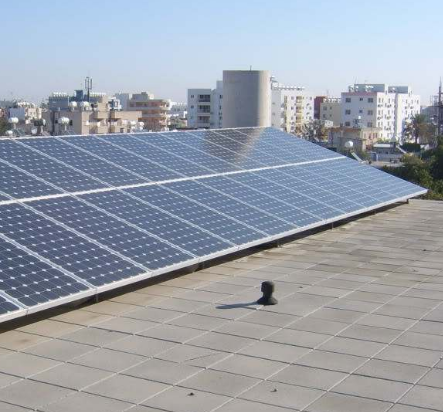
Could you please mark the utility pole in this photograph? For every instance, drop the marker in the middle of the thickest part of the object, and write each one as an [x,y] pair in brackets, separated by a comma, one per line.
[439,111]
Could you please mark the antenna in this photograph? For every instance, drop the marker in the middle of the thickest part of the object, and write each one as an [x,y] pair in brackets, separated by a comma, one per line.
[88,87]
[440,110]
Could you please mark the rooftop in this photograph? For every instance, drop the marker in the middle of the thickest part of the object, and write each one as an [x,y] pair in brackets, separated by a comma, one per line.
[358,327]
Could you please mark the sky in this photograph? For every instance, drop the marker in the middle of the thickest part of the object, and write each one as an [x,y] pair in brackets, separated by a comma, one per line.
[166,47]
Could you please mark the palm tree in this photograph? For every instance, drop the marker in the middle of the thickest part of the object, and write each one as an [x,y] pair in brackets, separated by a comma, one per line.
[418,128]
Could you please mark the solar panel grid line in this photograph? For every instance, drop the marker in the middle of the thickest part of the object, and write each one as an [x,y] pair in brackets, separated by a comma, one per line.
[201,181]
[212,209]
[83,236]
[89,289]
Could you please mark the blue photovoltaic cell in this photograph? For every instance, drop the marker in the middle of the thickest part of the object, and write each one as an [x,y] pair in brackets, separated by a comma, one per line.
[139,144]
[31,281]
[165,226]
[51,171]
[19,185]
[231,207]
[133,162]
[197,214]
[124,239]
[93,166]
[71,252]
[154,202]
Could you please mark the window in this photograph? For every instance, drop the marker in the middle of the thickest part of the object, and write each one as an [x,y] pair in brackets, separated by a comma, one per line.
[347,111]
[348,100]
[360,111]
[370,112]
[192,96]
[370,100]
[369,124]
[361,99]
[192,106]
[347,124]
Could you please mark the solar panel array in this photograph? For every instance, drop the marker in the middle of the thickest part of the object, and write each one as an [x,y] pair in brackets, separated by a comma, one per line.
[80,215]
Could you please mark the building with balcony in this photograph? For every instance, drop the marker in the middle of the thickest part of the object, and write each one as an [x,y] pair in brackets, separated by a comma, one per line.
[205,107]
[86,118]
[155,113]
[388,108]
[291,108]
[330,110]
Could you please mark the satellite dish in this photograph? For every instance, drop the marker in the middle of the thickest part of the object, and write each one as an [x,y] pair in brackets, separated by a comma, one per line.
[34,131]
[349,144]
[13,120]
[9,133]
[63,120]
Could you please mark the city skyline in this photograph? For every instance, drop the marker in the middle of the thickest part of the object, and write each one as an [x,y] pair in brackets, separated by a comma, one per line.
[322,46]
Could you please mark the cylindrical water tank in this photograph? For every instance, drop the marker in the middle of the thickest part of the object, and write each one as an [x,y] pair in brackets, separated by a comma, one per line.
[246,98]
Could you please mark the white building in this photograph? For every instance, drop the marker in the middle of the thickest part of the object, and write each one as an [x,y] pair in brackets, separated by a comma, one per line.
[25,112]
[388,108]
[205,107]
[291,108]
[330,110]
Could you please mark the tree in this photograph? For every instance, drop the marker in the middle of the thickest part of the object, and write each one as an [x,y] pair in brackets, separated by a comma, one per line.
[4,125]
[419,130]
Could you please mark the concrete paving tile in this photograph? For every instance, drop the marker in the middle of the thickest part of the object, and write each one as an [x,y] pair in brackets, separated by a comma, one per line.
[137,299]
[380,389]
[262,317]
[86,402]
[59,350]
[411,355]
[207,296]
[140,345]
[334,402]
[81,317]
[352,346]
[221,342]
[435,316]
[192,355]
[15,340]
[126,325]
[162,371]
[24,365]
[126,388]
[275,351]
[108,307]
[180,305]
[93,336]
[324,291]
[30,394]
[248,366]
[280,394]
[298,338]
[406,408]
[220,383]
[417,302]
[6,407]
[185,400]
[355,305]
[370,333]
[108,360]
[337,315]
[153,314]
[331,361]
[433,378]
[198,322]
[6,380]
[172,333]
[224,287]
[426,327]
[246,329]
[49,328]
[241,405]
[420,340]
[71,376]
[395,371]
[409,312]
[424,397]
[230,312]
[311,324]
[382,321]
[308,377]
[162,290]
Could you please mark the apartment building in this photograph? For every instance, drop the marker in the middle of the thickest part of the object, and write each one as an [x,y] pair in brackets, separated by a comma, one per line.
[291,107]
[385,107]
[205,107]
[330,110]
[154,112]
[91,118]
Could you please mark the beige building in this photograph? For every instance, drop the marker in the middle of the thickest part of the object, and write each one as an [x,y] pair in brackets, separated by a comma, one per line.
[330,109]
[84,118]
[362,139]
[155,113]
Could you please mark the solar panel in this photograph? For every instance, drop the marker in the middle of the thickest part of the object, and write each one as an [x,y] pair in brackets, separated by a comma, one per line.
[83,214]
